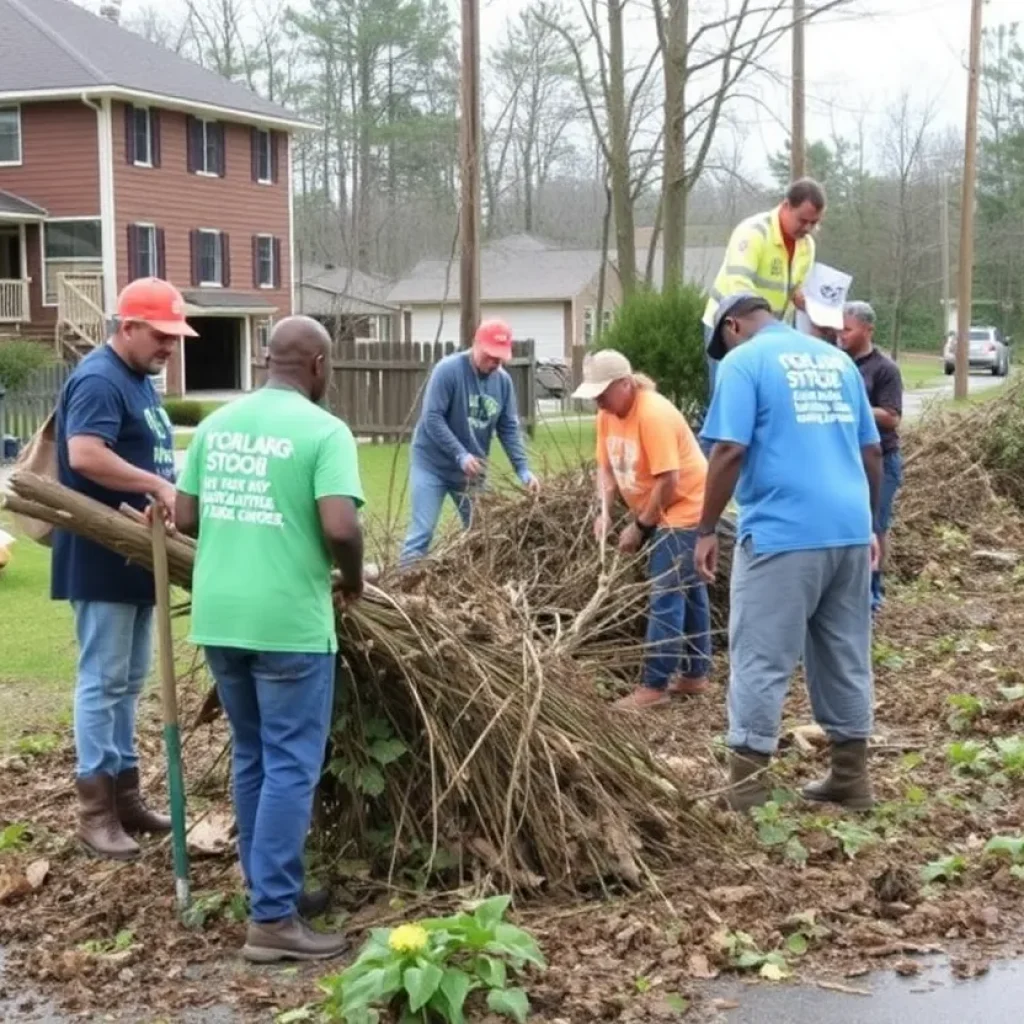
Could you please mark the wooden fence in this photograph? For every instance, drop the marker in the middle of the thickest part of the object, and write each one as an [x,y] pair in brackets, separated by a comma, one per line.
[23,412]
[376,386]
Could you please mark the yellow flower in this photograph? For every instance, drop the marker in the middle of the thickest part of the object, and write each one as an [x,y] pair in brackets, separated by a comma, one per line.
[408,938]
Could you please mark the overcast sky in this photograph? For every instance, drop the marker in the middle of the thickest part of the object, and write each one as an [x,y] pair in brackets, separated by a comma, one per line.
[857,63]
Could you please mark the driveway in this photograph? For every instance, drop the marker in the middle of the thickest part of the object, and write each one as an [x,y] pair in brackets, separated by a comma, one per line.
[916,401]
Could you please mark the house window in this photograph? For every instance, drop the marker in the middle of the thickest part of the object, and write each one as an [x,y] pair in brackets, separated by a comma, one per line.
[263,160]
[211,258]
[205,147]
[10,135]
[588,323]
[144,251]
[265,261]
[261,335]
[70,247]
[143,132]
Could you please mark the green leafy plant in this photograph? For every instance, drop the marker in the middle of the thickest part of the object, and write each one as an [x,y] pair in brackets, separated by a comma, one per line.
[969,757]
[15,836]
[185,412]
[381,746]
[19,360]
[1010,751]
[123,940]
[773,827]
[1011,847]
[806,932]
[661,335]
[36,744]
[852,837]
[208,906]
[966,708]
[424,971]
[945,869]
[885,655]
[744,955]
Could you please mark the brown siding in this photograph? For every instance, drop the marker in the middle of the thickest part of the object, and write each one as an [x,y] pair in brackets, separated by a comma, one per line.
[179,202]
[588,297]
[59,171]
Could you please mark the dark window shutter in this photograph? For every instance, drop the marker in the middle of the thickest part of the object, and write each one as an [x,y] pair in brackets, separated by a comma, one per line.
[154,136]
[254,143]
[193,141]
[133,252]
[275,249]
[129,133]
[255,261]
[225,257]
[161,254]
[193,246]
[221,150]
[275,155]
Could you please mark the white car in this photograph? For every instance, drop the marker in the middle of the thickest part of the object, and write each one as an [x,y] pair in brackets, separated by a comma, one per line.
[988,351]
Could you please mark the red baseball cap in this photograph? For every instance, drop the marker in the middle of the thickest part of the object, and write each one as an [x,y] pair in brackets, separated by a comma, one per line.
[495,338]
[152,301]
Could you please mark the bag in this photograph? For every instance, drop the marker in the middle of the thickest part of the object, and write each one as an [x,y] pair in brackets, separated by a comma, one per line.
[39,456]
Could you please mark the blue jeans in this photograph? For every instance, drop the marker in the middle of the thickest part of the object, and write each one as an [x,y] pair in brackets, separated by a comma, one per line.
[892,480]
[279,708]
[115,650]
[427,492]
[679,617]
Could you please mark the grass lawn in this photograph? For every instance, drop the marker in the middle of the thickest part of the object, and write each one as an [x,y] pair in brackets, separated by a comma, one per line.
[37,649]
[920,370]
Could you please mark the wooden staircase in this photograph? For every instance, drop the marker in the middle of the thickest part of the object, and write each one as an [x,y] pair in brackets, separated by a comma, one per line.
[81,323]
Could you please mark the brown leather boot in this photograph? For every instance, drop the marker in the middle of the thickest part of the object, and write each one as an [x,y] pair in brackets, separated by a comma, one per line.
[98,826]
[290,939]
[135,816]
[747,778]
[848,782]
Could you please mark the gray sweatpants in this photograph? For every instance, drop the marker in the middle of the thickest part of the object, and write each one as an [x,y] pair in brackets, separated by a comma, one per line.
[811,603]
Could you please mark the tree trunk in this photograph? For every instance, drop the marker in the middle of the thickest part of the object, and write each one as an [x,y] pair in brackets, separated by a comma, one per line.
[363,255]
[673,201]
[622,202]
[606,222]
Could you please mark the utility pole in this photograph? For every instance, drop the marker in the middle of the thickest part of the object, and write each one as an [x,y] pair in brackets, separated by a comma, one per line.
[963,299]
[798,144]
[944,224]
[469,175]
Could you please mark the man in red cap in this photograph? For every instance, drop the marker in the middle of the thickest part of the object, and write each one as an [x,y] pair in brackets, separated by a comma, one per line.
[115,444]
[468,398]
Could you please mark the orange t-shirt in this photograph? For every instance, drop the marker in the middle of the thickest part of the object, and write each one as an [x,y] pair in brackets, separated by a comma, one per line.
[653,439]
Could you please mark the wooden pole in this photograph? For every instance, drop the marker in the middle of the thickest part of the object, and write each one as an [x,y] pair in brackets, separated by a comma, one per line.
[469,148]
[963,300]
[798,155]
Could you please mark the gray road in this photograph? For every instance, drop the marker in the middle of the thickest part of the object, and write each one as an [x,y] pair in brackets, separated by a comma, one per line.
[915,402]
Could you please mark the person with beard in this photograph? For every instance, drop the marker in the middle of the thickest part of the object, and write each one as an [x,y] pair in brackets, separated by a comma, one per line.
[469,397]
[115,445]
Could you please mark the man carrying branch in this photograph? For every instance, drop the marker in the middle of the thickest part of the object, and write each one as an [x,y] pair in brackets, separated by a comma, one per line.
[271,485]
[115,445]
[647,453]
[468,398]
[795,438]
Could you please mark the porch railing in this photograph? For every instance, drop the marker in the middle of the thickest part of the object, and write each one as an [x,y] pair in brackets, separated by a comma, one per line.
[80,309]
[14,301]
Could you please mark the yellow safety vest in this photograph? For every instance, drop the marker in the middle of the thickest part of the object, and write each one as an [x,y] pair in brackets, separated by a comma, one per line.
[757,261]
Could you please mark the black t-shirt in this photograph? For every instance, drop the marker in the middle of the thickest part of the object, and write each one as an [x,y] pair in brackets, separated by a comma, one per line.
[105,398]
[884,385]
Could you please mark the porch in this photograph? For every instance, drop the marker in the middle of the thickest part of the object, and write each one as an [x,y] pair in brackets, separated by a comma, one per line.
[16,214]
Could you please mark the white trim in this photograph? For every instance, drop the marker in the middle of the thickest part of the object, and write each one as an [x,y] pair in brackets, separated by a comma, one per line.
[266,132]
[16,107]
[291,227]
[155,266]
[245,377]
[206,122]
[108,209]
[157,99]
[192,310]
[270,238]
[24,254]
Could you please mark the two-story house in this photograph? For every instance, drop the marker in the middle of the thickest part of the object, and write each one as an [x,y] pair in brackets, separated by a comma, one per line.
[118,160]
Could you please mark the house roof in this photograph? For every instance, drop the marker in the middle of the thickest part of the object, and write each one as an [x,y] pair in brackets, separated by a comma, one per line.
[516,269]
[215,299]
[55,47]
[16,208]
[331,290]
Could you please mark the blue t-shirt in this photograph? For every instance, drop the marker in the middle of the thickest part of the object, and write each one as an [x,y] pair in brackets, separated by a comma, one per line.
[462,411]
[799,407]
[105,398]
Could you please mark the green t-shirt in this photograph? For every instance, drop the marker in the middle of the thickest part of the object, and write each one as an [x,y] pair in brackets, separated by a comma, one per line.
[262,574]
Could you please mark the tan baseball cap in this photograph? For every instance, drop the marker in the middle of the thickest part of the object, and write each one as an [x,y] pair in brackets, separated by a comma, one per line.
[601,370]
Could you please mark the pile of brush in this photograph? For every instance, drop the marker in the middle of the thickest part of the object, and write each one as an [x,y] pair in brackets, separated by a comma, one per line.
[469,733]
